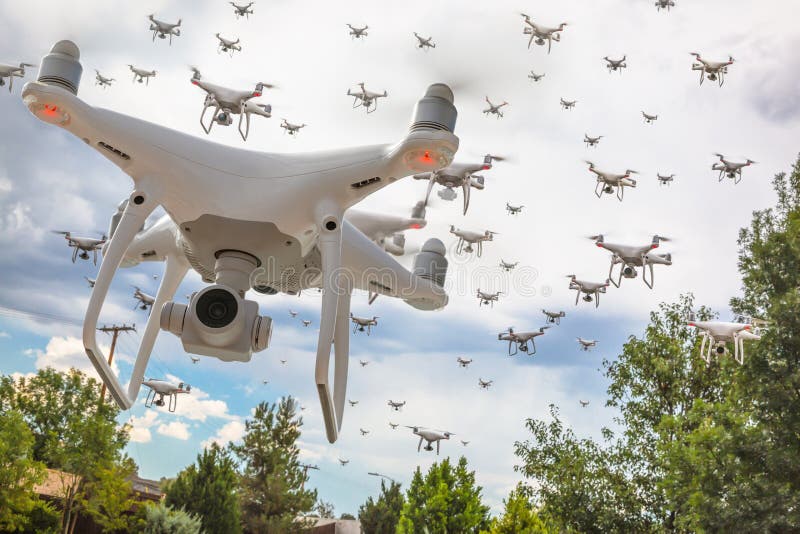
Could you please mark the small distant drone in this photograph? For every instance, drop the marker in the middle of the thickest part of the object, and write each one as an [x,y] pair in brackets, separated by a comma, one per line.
[283,362]
[507,267]
[242,10]
[535,77]
[144,301]
[227,45]
[11,72]
[162,29]
[393,425]
[665,179]
[90,281]
[396,406]
[713,70]
[584,403]
[464,362]
[554,317]
[494,109]
[649,119]
[471,238]
[101,80]
[265,382]
[629,257]
[194,359]
[484,384]
[352,402]
[513,210]
[457,175]
[591,141]
[568,104]
[164,388]
[519,341]
[290,128]
[588,289]
[716,333]
[616,64]
[424,43]
[488,298]
[343,462]
[83,245]
[729,169]
[141,75]
[540,34]
[609,183]
[362,324]
[227,102]
[292,313]
[664,4]
[586,344]
[366,99]
[358,33]
[464,443]
[429,436]
[363,363]
[306,322]
[363,432]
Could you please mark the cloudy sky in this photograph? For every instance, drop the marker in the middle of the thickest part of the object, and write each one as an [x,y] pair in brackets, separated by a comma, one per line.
[51,181]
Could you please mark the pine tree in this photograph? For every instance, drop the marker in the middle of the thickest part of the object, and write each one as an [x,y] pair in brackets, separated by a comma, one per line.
[382,515]
[519,515]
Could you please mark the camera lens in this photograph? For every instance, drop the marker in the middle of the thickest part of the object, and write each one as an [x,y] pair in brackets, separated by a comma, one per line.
[216,308]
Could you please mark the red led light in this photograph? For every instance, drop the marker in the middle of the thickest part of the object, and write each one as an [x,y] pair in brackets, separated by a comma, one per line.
[50,110]
[415,226]
[486,167]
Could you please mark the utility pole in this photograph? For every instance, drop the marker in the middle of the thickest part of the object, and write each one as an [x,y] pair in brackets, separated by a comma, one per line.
[115,330]
[305,468]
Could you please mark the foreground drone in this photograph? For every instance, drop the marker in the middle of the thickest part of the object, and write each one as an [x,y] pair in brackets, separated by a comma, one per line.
[729,169]
[11,72]
[247,220]
[589,290]
[494,109]
[488,298]
[162,29]
[101,80]
[716,333]
[464,362]
[290,128]
[164,388]
[518,341]
[242,10]
[142,75]
[713,70]
[568,104]
[610,183]
[467,238]
[554,317]
[457,175]
[586,344]
[540,34]
[591,141]
[83,245]
[363,324]
[629,257]
[429,436]
[366,99]
[227,45]
[358,33]
[616,65]
[386,230]
[228,102]
[424,43]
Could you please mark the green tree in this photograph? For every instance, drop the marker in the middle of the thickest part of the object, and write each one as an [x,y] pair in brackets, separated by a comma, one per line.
[445,500]
[519,515]
[208,489]
[271,483]
[324,510]
[19,472]
[380,516]
[163,519]
[108,498]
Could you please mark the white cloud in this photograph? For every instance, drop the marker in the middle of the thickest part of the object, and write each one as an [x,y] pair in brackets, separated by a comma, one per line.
[4,335]
[65,353]
[231,431]
[174,429]
[139,427]
[197,405]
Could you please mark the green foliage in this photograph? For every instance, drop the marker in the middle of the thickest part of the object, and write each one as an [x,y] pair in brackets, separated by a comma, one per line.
[382,515]
[109,498]
[163,519]
[271,484]
[324,510]
[445,500]
[519,515]
[19,472]
[347,516]
[208,489]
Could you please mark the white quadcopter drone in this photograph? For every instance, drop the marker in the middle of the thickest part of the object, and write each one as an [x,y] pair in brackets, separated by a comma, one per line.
[290,128]
[464,442]
[540,34]
[306,322]
[161,29]
[610,183]
[292,314]
[513,210]
[568,104]
[396,406]
[713,70]
[363,363]
[716,333]
[83,245]
[228,102]
[358,33]
[519,341]
[141,75]
[583,403]
[494,109]
[352,402]
[629,257]
[554,317]
[164,388]
[343,462]
[535,77]
[101,80]
[615,65]
[488,298]
[484,384]
[242,10]
[247,220]
[228,46]
[591,141]
[363,324]
[430,437]
[457,175]
[586,344]
[366,99]
[590,290]
[196,360]
[387,230]
[143,300]
[664,4]
[649,119]
[363,432]
[90,281]
[11,72]
[508,267]
[730,169]
[664,179]
[423,43]
[464,362]
[467,238]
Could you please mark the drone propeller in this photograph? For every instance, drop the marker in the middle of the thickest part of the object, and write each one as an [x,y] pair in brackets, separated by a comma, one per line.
[195,72]
[267,85]
[60,232]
